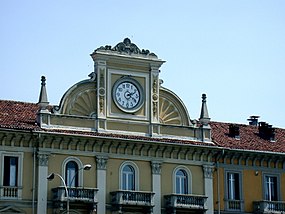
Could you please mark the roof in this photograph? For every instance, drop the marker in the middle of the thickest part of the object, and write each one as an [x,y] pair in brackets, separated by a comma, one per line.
[22,116]
[249,138]
[18,115]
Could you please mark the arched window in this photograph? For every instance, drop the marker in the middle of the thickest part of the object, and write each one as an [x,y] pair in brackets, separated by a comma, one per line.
[129,176]
[71,174]
[182,180]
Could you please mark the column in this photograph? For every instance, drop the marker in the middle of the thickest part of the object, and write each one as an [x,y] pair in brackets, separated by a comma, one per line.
[101,183]
[156,185]
[42,181]
[208,187]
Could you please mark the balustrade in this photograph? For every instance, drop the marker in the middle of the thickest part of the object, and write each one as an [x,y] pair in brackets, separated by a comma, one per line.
[186,201]
[75,194]
[9,192]
[133,197]
[269,206]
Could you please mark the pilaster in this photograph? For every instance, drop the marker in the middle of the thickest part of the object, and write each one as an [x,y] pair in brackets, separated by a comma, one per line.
[156,185]
[208,187]
[42,181]
[101,183]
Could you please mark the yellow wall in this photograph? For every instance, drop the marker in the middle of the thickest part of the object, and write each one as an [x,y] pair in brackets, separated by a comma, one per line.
[27,176]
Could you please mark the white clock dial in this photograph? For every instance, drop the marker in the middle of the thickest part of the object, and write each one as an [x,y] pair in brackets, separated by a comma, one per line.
[127,94]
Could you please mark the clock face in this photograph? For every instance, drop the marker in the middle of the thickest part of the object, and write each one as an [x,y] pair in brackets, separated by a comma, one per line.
[127,94]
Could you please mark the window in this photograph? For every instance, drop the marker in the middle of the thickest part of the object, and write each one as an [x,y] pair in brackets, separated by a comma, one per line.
[233,191]
[271,188]
[233,184]
[129,176]
[181,180]
[10,171]
[71,174]
[11,174]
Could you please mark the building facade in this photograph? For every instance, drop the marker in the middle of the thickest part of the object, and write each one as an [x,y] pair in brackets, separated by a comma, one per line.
[120,142]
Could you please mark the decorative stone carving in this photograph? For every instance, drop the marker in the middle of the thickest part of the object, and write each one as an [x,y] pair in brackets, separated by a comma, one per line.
[101,162]
[156,167]
[126,47]
[208,171]
[84,104]
[168,113]
[43,159]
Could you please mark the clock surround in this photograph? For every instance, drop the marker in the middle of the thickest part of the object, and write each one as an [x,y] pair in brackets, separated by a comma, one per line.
[127,94]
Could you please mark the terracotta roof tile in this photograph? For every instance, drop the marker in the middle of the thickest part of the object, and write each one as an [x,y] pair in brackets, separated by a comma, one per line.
[18,115]
[22,116]
[249,138]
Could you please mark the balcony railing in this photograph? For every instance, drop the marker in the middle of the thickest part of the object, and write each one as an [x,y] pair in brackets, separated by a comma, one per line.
[136,198]
[269,206]
[10,192]
[234,205]
[87,195]
[179,201]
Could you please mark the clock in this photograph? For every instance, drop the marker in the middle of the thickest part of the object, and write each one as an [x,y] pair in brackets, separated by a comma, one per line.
[128,94]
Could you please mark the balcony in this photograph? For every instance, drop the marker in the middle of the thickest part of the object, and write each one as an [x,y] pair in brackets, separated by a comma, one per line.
[132,201]
[185,203]
[269,206]
[234,205]
[77,195]
[10,192]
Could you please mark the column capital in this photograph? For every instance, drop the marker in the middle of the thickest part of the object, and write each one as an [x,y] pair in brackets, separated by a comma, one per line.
[101,162]
[208,171]
[156,167]
[43,158]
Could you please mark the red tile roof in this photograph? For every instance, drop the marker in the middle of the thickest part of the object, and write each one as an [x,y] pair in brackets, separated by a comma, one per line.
[18,115]
[249,138]
[22,116]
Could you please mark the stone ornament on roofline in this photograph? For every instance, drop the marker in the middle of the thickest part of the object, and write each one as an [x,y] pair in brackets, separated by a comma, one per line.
[126,47]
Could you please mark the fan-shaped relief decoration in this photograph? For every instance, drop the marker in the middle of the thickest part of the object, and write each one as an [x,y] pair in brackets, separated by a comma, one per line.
[84,104]
[168,113]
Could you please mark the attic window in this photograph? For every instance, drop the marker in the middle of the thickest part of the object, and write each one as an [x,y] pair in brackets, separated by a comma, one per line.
[234,131]
[266,131]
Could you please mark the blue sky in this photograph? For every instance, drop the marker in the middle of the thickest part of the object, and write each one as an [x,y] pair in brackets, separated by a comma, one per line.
[234,51]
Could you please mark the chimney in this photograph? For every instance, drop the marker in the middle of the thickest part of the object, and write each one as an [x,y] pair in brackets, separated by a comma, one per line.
[234,131]
[266,131]
[253,120]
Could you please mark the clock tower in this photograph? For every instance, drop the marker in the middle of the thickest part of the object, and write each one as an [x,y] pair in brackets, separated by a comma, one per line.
[127,86]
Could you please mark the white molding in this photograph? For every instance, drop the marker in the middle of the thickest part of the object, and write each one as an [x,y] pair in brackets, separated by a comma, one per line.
[135,167]
[80,166]
[189,176]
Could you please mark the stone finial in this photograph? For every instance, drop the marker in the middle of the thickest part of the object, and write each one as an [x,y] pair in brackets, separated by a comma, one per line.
[43,100]
[204,116]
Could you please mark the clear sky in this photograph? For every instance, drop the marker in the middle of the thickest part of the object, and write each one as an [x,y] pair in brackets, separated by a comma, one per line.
[232,50]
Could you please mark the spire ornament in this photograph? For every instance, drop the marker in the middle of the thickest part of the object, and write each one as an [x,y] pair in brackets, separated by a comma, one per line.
[43,100]
[204,116]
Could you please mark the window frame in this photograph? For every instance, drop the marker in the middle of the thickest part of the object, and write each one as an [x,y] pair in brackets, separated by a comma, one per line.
[19,186]
[275,175]
[240,189]
[136,175]
[79,174]
[189,179]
